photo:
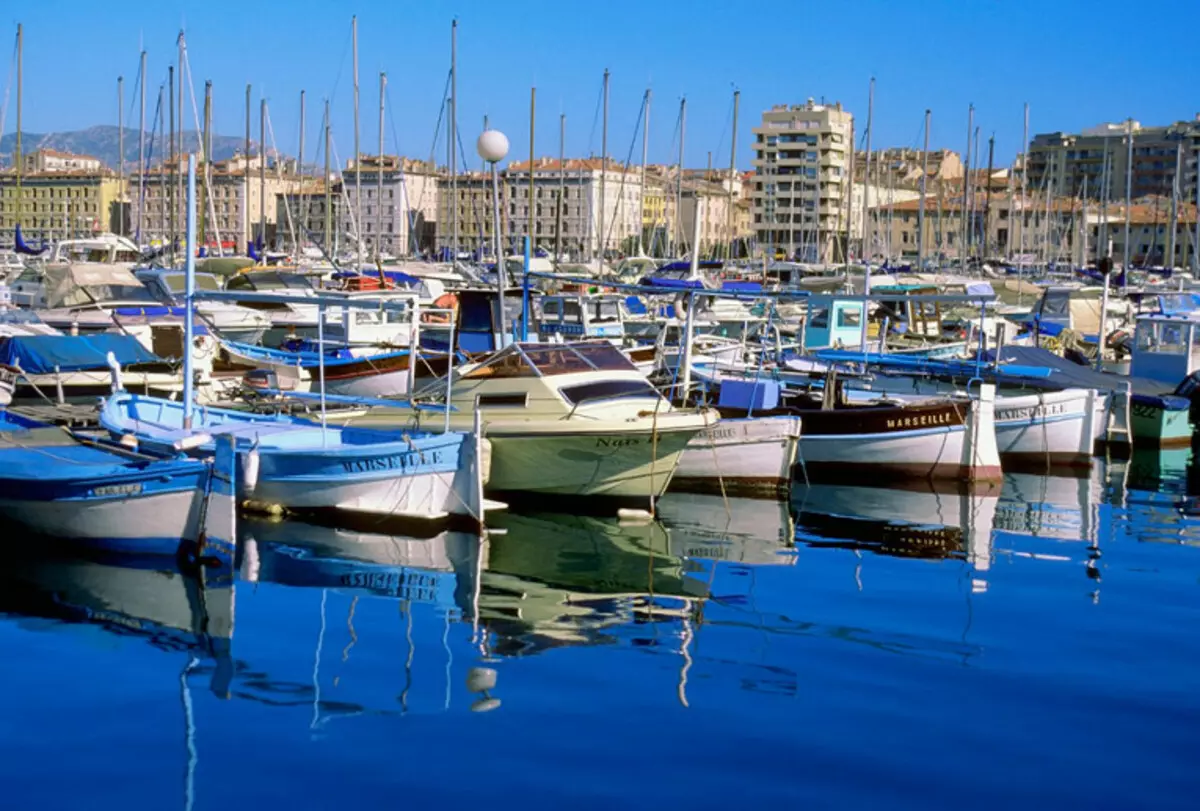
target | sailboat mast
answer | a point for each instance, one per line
(645, 148)
(1170, 260)
(679, 177)
(300, 173)
(357, 154)
(121, 155)
(328, 247)
(562, 186)
(141, 147)
(921, 201)
(451, 135)
(17, 153)
(963, 211)
(179, 178)
(262, 171)
(866, 246)
(379, 172)
(532, 119)
(204, 160)
(729, 238)
(1128, 190)
(1024, 182)
(174, 164)
(246, 178)
(987, 196)
(603, 165)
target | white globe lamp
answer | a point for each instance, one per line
(492, 146)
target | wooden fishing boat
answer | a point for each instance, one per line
(124, 501)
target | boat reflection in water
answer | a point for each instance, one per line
(730, 530)
(554, 580)
(912, 523)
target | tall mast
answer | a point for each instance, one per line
(262, 171)
(849, 204)
(603, 165)
(966, 195)
(379, 172)
(1128, 190)
(645, 147)
(679, 177)
(328, 247)
(179, 175)
(174, 167)
(975, 191)
(300, 173)
(163, 189)
(532, 117)
(866, 246)
(1024, 182)
(1170, 260)
(921, 201)
(987, 195)
(451, 135)
(357, 155)
(1196, 224)
(121, 155)
(17, 153)
(1105, 194)
(737, 95)
(141, 148)
(562, 186)
(204, 162)
(246, 178)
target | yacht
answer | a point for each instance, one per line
(231, 321)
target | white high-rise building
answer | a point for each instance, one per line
(802, 157)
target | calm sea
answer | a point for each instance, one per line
(857, 647)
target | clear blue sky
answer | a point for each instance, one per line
(1077, 63)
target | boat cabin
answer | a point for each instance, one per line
(1166, 348)
(106, 249)
(833, 322)
(572, 317)
(1078, 309)
(526, 381)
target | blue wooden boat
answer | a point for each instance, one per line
(302, 466)
(119, 500)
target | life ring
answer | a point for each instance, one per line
(446, 301)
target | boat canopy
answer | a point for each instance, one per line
(547, 360)
(72, 285)
(394, 276)
(46, 354)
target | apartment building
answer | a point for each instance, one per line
(1061, 163)
(60, 204)
(236, 201)
(399, 204)
(801, 161)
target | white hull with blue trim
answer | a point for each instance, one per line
(301, 466)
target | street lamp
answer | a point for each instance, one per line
(492, 146)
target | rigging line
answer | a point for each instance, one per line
(287, 208)
(409, 211)
(134, 100)
(341, 65)
(637, 127)
(725, 128)
(595, 120)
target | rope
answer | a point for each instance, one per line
(712, 445)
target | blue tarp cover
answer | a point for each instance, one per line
(40, 354)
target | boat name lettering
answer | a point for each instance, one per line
(618, 442)
(1007, 414)
(397, 461)
(920, 420)
(117, 490)
(719, 433)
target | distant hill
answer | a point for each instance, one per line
(102, 142)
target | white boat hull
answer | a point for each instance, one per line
(166, 517)
(747, 457)
(614, 464)
(1049, 430)
(427, 497)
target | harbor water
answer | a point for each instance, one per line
(856, 647)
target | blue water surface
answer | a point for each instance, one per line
(858, 647)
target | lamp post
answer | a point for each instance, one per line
(492, 146)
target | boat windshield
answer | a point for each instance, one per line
(177, 283)
(606, 309)
(269, 281)
(541, 360)
(103, 293)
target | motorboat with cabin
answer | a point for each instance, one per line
(231, 321)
